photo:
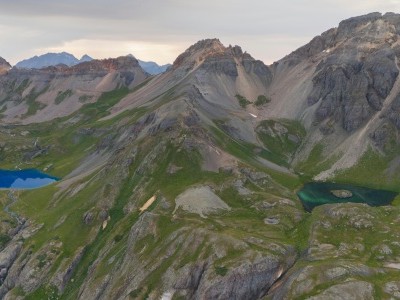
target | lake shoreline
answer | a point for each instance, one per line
(314, 194)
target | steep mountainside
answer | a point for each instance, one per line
(37, 95)
(344, 87)
(51, 59)
(183, 185)
(213, 81)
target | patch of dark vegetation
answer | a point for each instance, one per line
(62, 96)
(85, 98)
(262, 100)
(33, 105)
(21, 88)
(221, 270)
(243, 102)
(4, 239)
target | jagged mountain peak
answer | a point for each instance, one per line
(196, 53)
(209, 48)
(211, 54)
(365, 33)
(207, 44)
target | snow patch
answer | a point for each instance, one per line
(167, 296)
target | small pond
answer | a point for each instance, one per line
(318, 193)
(24, 179)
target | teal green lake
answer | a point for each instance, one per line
(319, 193)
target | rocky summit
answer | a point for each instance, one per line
(183, 185)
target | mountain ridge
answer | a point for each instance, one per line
(38, 95)
(51, 59)
(64, 58)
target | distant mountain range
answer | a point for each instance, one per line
(53, 59)
(153, 68)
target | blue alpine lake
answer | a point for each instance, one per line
(25, 179)
(319, 193)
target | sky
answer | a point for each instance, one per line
(159, 30)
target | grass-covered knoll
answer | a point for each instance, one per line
(318, 160)
(100, 108)
(244, 150)
(171, 185)
(65, 147)
(281, 137)
(249, 154)
(373, 170)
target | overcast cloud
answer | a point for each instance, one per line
(159, 30)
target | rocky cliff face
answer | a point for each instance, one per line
(355, 68)
(212, 56)
(343, 86)
(353, 82)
